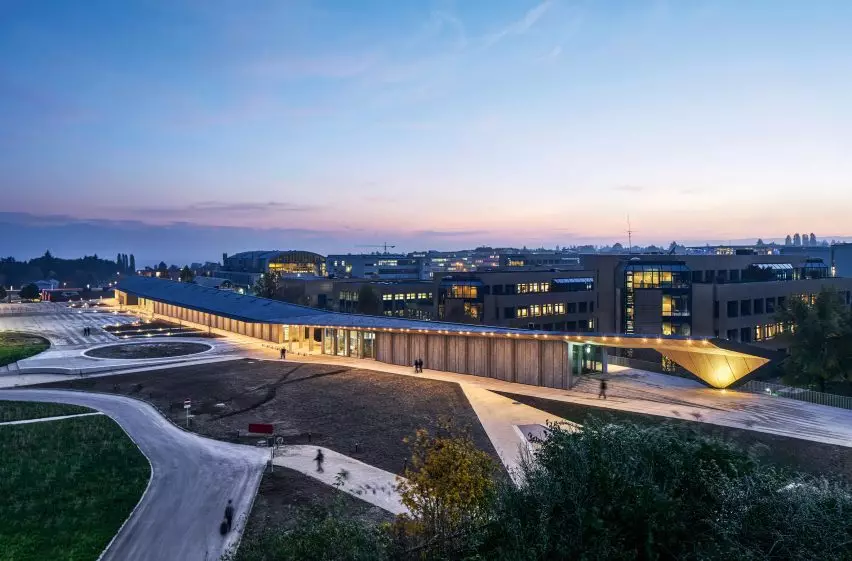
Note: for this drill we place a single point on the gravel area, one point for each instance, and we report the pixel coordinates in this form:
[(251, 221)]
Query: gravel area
[(332, 406), (147, 350)]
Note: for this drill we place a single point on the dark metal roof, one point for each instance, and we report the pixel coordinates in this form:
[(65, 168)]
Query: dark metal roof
[(211, 300), (262, 310)]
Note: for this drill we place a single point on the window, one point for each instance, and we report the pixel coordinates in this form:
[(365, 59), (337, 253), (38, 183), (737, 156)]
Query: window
[(532, 287), (734, 275), (758, 306), (399, 296), (781, 300), (733, 309), (535, 310), (758, 333), (559, 308), (570, 326), (576, 284), (572, 307), (387, 296), (509, 313), (583, 325), (732, 335), (745, 335), (523, 312), (411, 296), (745, 307), (497, 289), (584, 307), (709, 276), (547, 309), (591, 307), (770, 305)]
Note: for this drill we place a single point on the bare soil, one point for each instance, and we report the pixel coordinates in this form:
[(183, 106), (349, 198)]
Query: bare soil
[(790, 453), (148, 350), (332, 406)]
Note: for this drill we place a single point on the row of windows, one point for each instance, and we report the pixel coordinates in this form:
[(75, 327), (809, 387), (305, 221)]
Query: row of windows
[(527, 287), (757, 306), (570, 326), (410, 296), (559, 308), (758, 332)]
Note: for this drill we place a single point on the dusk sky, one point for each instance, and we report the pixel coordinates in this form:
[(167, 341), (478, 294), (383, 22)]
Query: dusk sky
[(427, 124)]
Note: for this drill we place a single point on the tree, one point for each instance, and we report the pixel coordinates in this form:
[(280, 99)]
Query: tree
[(806, 241), (119, 262), (788, 240), (132, 265), (813, 239), (797, 239), (448, 488), (29, 292), (186, 274), (267, 285), (3, 293), (162, 270), (368, 301), (627, 491), (760, 242), (820, 338)]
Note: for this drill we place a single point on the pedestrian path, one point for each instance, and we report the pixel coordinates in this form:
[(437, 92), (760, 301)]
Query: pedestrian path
[(46, 419), (368, 483), (63, 326)]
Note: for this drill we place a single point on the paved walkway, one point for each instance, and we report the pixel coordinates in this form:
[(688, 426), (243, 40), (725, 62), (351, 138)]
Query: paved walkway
[(369, 483), (192, 479), (45, 419)]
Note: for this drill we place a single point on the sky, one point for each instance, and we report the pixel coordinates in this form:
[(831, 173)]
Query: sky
[(331, 125)]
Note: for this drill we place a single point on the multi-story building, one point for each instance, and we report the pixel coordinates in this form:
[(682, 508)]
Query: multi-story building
[(409, 299), (729, 296), (245, 268), (378, 266), (538, 259), (840, 258), (550, 300)]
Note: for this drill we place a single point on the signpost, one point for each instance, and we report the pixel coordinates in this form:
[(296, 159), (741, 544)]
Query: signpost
[(187, 403), (268, 429)]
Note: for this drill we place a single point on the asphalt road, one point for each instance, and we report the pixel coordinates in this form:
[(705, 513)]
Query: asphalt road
[(193, 477)]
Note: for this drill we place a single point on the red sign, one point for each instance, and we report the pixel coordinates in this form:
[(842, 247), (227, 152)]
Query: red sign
[(261, 428)]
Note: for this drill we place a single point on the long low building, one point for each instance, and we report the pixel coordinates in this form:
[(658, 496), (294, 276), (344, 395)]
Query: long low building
[(544, 358)]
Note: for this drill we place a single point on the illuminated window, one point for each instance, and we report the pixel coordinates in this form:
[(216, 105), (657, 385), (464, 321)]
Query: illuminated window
[(547, 309), (387, 296), (559, 308), (758, 333), (523, 311), (399, 296), (535, 310), (667, 328), (410, 296)]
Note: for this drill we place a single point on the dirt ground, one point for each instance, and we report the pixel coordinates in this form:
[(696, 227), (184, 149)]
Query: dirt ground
[(791, 453), (147, 350), (330, 406), (284, 492)]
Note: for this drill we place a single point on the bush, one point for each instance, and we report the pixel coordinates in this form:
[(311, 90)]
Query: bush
[(627, 492)]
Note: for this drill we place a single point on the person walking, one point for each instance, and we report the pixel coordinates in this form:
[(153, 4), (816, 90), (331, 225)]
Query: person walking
[(283, 353), (319, 460), (229, 514), (602, 392), (420, 360)]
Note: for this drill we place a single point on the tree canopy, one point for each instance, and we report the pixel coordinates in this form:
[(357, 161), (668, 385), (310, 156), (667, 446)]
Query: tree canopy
[(186, 274), (368, 301), (820, 341), (267, 285), (3, 293), (29, 292)]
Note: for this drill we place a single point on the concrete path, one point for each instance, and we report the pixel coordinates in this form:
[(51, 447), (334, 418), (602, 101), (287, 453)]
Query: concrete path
[(46, 419), (501, 417), (368, 483), (192, 479)]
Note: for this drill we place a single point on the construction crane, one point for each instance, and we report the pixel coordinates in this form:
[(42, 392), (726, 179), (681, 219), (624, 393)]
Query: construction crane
[(384, 246)]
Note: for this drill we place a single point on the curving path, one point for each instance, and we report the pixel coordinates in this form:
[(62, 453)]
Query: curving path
[(193, 477)]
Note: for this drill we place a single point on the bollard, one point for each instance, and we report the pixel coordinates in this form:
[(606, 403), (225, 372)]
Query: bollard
[(356, 447), (309, 438)]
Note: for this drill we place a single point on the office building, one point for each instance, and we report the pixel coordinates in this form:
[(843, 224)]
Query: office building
[(377, 266), (245, 268)]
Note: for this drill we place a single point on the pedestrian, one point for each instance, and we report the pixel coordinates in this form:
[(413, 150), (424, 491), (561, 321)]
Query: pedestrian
[(416, 366), (319, 460), (229, 514), (420, 360), (602, 393), (281, 353)]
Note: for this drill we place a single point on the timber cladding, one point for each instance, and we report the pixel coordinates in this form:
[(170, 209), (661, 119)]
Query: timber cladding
[(527, 362), (436, 357)]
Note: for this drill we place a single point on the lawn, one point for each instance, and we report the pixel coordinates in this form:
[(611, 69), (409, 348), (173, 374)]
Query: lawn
[(21, 410), (67, 487), (18, 346)]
